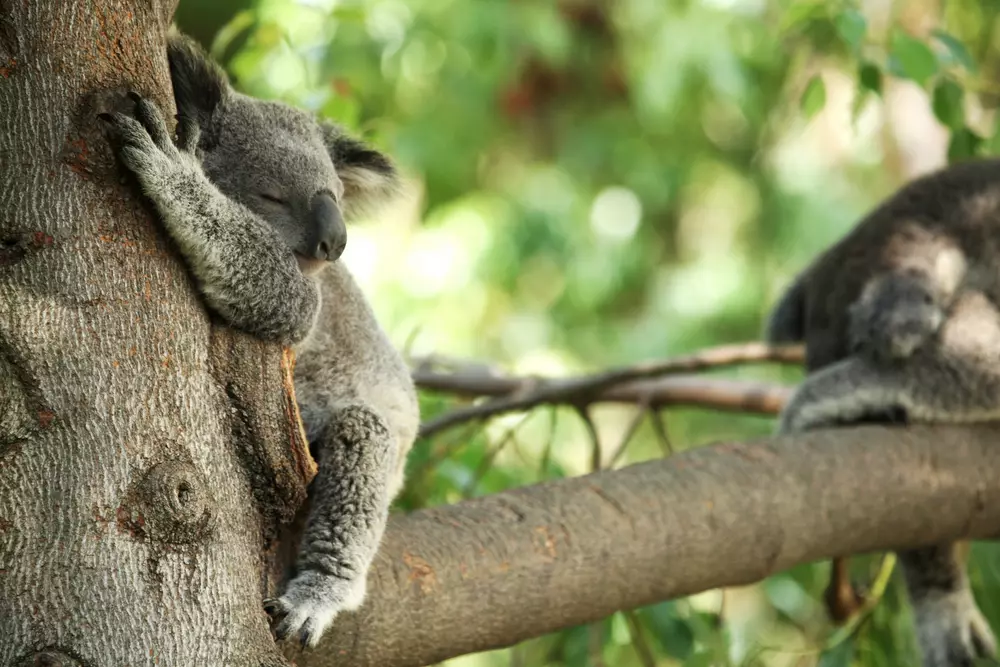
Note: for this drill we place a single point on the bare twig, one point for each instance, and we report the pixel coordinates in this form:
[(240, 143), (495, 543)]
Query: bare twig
[(716, 393), (510, 393), (660, 429), (629, 433)]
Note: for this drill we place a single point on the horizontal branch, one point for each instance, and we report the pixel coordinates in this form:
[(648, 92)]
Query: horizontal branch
[(494, 571), (626, 384)]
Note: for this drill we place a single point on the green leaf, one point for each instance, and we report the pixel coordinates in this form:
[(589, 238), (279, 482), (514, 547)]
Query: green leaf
[(956, 49), (672, 632), (948, 104), (803, 12), (911, 58), (700, 659), (814, 97), (839, 655), (964, 144), (870, 77), (851, 26)]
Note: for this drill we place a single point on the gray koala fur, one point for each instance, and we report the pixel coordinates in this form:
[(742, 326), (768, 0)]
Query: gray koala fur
[(243, 194), (901, 321)]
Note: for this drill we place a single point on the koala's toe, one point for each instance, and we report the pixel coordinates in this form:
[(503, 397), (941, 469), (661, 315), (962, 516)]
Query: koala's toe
[(305, 613), (274, 608), (981, 636), (953, 632), (147, 113)]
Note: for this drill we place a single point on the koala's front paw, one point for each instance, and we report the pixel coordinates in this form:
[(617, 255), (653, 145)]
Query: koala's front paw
[(310, 603), (952, 632), (893, 322), (145, 147)]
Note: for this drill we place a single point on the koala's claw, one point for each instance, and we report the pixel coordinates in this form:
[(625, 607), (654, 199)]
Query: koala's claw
[(152, 120), (951, 637), (145, 147), (310, 604)]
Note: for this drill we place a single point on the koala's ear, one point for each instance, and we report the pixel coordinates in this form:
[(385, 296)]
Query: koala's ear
[(200, 85), (369, 177)]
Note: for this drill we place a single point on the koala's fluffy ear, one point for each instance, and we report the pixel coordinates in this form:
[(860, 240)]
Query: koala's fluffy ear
[(200, 85), (369, 177)]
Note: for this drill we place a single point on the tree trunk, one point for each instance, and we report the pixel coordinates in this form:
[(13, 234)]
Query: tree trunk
[(146, 457)]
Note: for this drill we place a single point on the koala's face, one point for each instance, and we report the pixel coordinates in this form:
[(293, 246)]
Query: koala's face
[(299, 175), (271, 158)]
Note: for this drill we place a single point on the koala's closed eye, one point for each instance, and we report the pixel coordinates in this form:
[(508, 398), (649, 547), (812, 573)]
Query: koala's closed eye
[(274, 198)]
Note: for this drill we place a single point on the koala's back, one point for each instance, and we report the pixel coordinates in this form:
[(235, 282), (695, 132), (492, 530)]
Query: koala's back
[(950, 218), (348, 359)]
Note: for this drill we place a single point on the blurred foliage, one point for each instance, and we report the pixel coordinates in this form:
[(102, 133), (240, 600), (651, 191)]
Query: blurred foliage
[(598, 182)]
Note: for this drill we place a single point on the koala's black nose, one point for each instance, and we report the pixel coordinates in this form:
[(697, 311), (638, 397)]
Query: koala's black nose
[(328, 235)]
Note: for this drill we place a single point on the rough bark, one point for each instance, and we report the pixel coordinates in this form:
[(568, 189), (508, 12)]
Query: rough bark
[(490, 572), (145, 456)]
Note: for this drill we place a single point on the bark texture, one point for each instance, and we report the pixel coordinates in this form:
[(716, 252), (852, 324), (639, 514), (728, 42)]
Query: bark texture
[(146, 457), (494, 571)]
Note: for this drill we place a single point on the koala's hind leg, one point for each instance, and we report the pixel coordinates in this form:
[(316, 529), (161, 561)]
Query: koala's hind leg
[(950, 629), (349, 508)]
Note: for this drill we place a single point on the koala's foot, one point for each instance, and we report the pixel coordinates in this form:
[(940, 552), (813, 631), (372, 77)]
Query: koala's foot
[(951, 630), (310, 603), (145, 147), (893, 319)]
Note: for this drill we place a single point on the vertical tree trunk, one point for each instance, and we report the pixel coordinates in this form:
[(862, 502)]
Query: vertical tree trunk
[(146, 458)]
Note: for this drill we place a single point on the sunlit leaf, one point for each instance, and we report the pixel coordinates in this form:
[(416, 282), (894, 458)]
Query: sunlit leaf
[(814, 97), (911, 58), (851, 26), (803, 11)]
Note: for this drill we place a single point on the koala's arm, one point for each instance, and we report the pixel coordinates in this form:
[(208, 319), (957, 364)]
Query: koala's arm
[(361, 415), (954, 380), (244, 270)]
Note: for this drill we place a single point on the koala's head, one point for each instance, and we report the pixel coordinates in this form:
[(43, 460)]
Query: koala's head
[(301, 176)]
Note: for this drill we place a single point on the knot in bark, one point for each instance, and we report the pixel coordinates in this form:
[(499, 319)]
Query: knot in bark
[(171, 505)]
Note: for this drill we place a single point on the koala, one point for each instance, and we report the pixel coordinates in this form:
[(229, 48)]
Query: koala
[(255, 195), (901, 322)]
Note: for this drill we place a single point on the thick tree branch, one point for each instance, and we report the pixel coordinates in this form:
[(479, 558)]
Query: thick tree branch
[(494, 571)]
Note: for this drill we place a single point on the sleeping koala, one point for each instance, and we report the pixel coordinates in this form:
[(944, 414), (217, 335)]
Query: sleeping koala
[(901, 321), (255, 194)]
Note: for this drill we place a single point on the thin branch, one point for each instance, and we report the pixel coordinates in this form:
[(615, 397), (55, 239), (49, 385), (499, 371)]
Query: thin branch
[(660, 429), (569, 552), (472, 379), (629, 433), (715, 393)]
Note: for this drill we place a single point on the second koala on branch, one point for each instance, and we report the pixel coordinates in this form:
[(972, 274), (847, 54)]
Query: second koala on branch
[(255, 195), (901, 321)]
